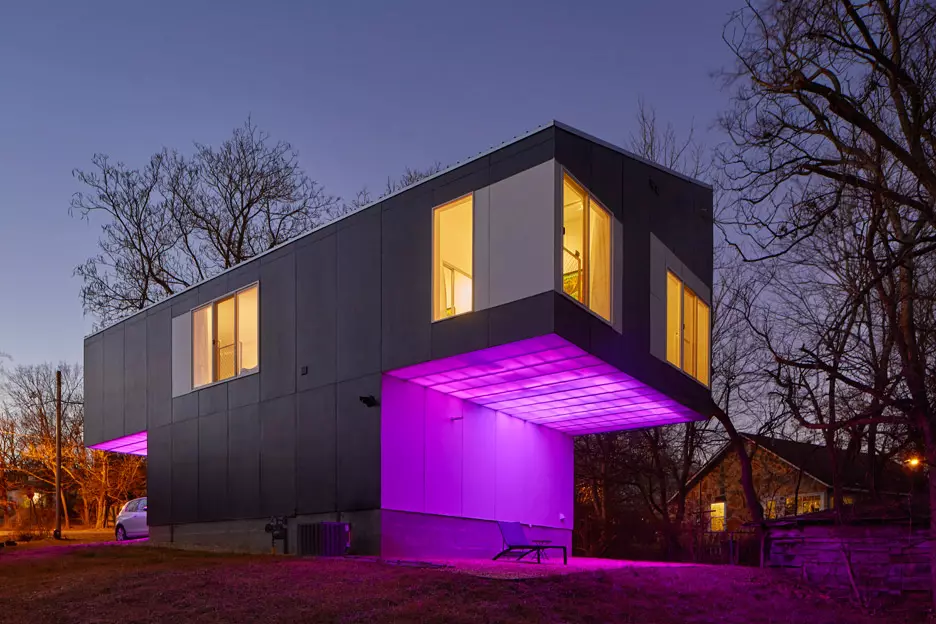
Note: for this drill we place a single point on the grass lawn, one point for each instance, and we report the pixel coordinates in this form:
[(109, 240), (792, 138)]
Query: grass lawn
[(137, 583)]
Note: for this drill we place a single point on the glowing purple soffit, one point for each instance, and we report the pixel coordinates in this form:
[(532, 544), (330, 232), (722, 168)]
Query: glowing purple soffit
[(134, 444), (549, 381)]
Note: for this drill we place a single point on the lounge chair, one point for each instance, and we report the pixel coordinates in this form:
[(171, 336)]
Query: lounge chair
[(517, 545)]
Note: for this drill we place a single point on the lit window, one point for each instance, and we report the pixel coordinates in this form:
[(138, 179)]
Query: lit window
[(687, 329), (452, 242), (586, 249), (202, 339), (248, 331), (770, 509), (225, 338), (804, 503), (717, 517)]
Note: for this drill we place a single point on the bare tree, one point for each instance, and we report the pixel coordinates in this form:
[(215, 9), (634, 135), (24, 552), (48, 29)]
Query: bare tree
[(833, 134), (181, 219)]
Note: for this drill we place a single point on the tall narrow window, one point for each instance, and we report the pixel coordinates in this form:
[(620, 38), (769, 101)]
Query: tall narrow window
[(202, 338), (224, 343), (248, 331), (673, 319), (703, 327), (690, 332), (586, 249), (573, 240), (717, 517), (225, 338), (687, 329), (452, 247)]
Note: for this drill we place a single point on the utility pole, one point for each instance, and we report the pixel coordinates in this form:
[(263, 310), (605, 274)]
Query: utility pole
[(58, 455)]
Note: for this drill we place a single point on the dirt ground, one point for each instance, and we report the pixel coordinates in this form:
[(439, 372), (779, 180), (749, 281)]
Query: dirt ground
[(137, 583)]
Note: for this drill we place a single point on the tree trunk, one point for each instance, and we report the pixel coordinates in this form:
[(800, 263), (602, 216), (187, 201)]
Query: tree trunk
[(64, 510), (747, 474), (101, 513)]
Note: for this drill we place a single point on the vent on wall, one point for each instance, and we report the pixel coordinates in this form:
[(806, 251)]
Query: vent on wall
[(324, 539)]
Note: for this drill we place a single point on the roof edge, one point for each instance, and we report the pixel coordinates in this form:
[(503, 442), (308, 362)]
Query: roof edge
[(621, 150), (317, 228), (551, 124)]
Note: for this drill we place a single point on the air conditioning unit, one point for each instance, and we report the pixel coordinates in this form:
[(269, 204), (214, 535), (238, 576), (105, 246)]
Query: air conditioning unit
[(324, 539)]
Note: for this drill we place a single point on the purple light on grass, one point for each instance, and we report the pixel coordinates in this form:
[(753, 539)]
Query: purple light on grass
[(549, 381), (133, 444)]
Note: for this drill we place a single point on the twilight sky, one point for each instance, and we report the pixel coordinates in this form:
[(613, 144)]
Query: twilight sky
[(362, 89)]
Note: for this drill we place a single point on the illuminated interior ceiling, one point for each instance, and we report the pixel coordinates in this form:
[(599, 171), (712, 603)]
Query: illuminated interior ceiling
[(549, 381), (134, 444)]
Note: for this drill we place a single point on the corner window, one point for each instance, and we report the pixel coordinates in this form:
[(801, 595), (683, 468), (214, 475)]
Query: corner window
[(452, 266), (225, 338), (717, 517), (687, 329), (586, 249)]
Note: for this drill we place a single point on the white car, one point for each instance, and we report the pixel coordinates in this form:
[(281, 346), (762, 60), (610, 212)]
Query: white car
[(131, 521)]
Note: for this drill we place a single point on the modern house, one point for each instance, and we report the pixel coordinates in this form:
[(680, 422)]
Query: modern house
[(791, 478), (419, 367)]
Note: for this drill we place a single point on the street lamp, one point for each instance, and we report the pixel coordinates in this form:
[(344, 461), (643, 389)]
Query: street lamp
[(913, 462)]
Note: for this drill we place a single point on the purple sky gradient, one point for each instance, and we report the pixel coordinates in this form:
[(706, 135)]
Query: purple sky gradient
[(361, 89)]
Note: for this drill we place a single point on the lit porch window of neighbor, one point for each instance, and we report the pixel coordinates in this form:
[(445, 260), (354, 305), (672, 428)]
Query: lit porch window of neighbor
[(687, 329), (452, 241), (717, 517), (586, 249), (225, 337)]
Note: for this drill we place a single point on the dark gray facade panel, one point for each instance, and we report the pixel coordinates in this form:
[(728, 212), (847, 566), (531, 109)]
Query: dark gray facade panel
[(278, 456), (317, 312), (185, 302), (93, 389), (184, 502), (213, 288), (213, 399), (243, 391), (113, 422), (519, 320), (159, 475), (606, 167), (568, 317), (358, 445), (159, 368), (316, 450), (185, 407), (358, 292), (135, 375), (243, 275), (244, 462), (504, 167), (460, 334), (278, 326), (212, 466), (473, 176), (406, 283), (574, 153)]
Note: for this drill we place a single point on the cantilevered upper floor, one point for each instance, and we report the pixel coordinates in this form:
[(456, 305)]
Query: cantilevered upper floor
[(556, 278)]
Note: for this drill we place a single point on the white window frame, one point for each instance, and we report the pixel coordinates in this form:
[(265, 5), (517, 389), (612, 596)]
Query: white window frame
[(682, 330), (611, 272), (214, 333)]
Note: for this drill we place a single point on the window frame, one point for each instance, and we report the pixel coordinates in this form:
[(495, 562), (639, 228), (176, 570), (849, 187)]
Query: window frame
[(213, 304), (683, 288), (438, 263), (723, 516), (590, 200)]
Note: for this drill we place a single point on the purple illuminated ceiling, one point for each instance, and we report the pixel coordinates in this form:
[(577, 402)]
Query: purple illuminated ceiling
[(549, 381), (134, 444)]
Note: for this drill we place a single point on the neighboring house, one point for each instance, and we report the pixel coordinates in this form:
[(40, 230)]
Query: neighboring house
[(418, 368), (791, 478)]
